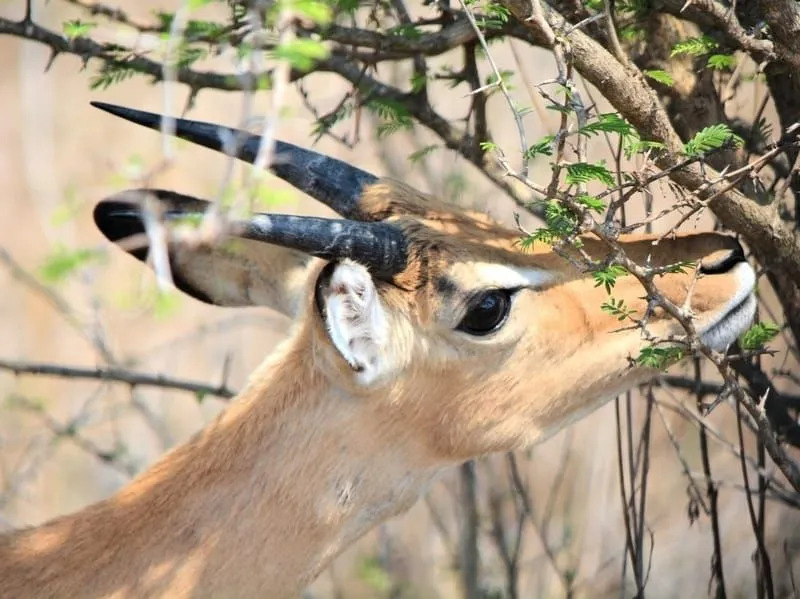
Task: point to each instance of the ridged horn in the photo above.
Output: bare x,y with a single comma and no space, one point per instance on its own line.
380,247
328,180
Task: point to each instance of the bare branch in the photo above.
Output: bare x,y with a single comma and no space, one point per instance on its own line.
118,375
86,49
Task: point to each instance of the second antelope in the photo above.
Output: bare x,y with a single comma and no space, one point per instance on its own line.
424,336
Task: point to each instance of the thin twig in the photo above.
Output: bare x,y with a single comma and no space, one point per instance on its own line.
762,564
503,88
118,375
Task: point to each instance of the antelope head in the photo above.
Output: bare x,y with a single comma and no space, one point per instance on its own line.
436,314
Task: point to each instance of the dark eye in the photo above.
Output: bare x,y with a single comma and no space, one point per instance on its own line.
487,312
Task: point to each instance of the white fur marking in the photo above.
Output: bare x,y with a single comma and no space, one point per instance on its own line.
356,321
736,316
502,276
262,221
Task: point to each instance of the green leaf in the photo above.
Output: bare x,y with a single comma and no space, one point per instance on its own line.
244,51
62,262
631,32
694,46
166,303
562,108
325,123
561,223
267,197
488,146
583,172
758,335
591,203
302,53
346,6
406,30
661,76
505,76
393,114
564,89
415,157
499,11
637,7
680,267
165,20
607,277
111,74
191,220
77,28
374,575
68,209
617,308
721,62
711,138
314,10
188,55
544,146
454,184
559,219
659,357
388,128
205,30
390,110
609,122
633,144
495,17
418,82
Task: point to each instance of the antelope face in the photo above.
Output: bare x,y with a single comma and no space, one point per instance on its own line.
437,315
491,347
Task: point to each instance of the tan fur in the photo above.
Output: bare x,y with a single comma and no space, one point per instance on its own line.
307,459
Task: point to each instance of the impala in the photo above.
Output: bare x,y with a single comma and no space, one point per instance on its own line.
424,335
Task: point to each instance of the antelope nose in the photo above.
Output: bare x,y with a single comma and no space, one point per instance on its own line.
722,261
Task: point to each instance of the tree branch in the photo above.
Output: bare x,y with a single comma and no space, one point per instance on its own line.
630,94
118,375
86,49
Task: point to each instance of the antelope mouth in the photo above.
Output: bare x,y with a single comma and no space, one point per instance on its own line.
737,316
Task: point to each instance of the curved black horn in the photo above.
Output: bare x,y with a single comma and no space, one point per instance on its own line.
328,180
380,247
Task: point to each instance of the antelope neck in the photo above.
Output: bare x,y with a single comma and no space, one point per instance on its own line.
255,505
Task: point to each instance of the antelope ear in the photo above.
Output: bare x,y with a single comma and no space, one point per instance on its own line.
355,319
240,272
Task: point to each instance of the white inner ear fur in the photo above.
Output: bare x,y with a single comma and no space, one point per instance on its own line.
356,321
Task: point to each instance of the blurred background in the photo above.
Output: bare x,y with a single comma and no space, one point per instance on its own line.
549,524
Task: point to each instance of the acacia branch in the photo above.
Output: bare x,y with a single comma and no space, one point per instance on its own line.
451,36
339,62
70,431
722,19
703,388
629,93
760,225
118,375
116,15
783,17
418,106
119,56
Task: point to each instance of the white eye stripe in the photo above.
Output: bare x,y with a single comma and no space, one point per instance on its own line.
502,276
